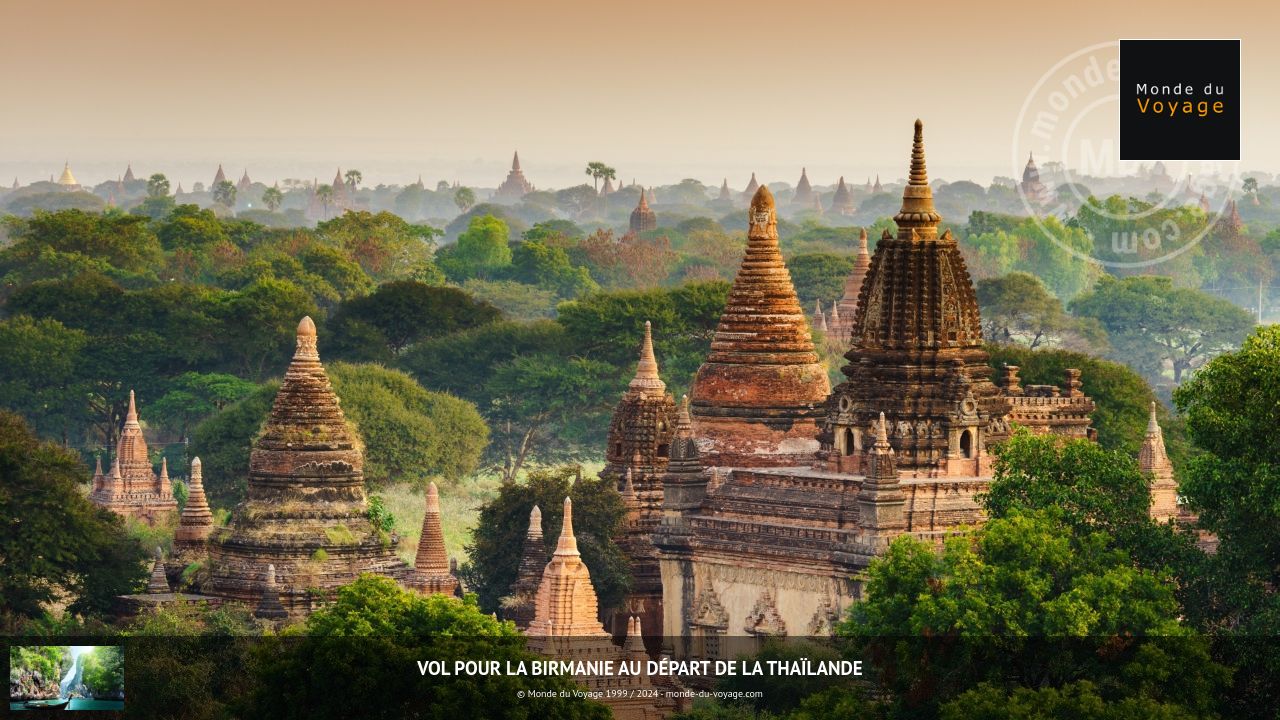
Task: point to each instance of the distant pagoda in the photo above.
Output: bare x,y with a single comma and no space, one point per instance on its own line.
431,572
190,539
515,186
839,325
752,186
67,181
132,488
803,196
305,512
842,200
1031,189
643,218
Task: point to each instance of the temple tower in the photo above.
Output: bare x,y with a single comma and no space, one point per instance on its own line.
916,352
196,523
533,558
566,605
842,200
134,490
724,196
515,186
1154,461
305,510
840,323
643,218
431,565
128,174
752,186
639,449
218,177
758,397
1031,188
804,191
67,181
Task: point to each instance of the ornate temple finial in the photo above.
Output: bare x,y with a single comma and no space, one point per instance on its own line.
132,416
535,522
1153,426
882,432
159,582
97,466
762,218
647,378
683,419
307,340
433,498
115,466
515,161
567,544
918,174
164,470
918,219
862,242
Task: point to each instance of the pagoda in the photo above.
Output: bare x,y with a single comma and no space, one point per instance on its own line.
842,200
128,174
752,186
639,446
725,194
67,181
1154,462
803,196
190,539
759,395
519,606
643,218
243,185
305,511
1031,189
840,323
218,177
133,489
431,572
515,186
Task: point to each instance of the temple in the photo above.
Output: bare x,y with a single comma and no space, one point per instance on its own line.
842,200
519,606
752,186
431,571
779,491
515,186
757,399
838,326
1154,461
190,539
67,181
305,512
643,218
218,177
132,488
1031,189
566,626
803,196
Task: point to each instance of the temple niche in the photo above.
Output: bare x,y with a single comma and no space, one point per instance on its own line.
515,186
305,513
779,491
132,488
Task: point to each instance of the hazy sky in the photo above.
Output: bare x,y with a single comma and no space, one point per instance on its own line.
659,89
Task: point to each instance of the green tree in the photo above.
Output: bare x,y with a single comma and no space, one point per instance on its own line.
157,186
259,325
272,198
43,376
464,198
481,251
598,513
375,630
1232,405
224,193
385,245
194,396
325,194
599,171
1025,603
353,178
103,671
1151,323
56,546
819,277
123,243
1018,309
398,314
536,263
189,227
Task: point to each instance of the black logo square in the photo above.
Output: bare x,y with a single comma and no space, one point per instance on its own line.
1179,99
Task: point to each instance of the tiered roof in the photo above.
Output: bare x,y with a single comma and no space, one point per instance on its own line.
566,604
431,564
643,218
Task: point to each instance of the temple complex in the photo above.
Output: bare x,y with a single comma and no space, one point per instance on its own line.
132,488
1031,189
803,196
305,511
842,200
643,218
778,491
757,399
431,571
515,186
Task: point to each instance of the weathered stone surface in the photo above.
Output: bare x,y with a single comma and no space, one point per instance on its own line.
305,512
757,399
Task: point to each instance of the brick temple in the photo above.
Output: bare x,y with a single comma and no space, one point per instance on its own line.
515,186
132,488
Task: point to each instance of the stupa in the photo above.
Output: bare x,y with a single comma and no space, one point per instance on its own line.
305,511
842,200
519,606
759,395
803,196
431,573
190,539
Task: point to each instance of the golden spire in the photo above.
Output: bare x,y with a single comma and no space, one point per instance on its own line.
647,379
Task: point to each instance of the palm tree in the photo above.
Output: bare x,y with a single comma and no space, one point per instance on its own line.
272,198
353,178
597,171
224,193
325,193
464,198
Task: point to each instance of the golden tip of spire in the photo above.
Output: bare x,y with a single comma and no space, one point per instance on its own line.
307,327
